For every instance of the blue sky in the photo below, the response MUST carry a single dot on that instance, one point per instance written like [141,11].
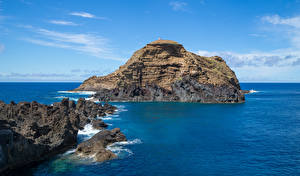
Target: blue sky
[70,40]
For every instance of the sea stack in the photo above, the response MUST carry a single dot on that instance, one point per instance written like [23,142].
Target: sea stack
[164,70]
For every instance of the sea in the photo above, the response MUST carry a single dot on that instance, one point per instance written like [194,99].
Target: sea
[258,137]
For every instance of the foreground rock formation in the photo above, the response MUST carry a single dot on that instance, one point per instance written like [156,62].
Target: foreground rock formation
[31,132]
[164,71]
[96,146]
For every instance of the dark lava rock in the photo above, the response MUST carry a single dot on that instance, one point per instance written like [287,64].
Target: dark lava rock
[31,132]
[96,146]
[99,124]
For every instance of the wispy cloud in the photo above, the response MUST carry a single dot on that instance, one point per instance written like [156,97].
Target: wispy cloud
[76,70]
[276,19]
[178,6]
[61,22]
[33,75]
[13,76]
[87,43]
[26,2]
[72,75]
[285,57]
[288,27]
[278,58]
[2,47]
[87,15]
[257,35]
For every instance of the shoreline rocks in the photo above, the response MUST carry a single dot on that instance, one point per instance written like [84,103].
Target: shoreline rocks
[96,146]
[164,71]
[31,132]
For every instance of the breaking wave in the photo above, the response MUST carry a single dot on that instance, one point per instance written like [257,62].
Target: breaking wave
[119,149]
[87,132]
[253,91]
[70,98]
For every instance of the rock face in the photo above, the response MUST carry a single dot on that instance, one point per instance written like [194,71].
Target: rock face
[31,132]
[95,147]
[164,71]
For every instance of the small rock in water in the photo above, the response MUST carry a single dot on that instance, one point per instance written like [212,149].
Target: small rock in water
[96,146]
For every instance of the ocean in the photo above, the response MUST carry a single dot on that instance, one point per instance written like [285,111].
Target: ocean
[258,137]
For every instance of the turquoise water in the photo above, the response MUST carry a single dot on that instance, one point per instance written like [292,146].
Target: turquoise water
[259,137]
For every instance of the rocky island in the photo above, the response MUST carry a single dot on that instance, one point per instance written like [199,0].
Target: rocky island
[31,132]
[164,71]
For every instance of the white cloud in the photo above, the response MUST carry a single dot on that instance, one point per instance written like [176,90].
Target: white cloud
[90,44]
[178,6]
[87,15]
[61,22]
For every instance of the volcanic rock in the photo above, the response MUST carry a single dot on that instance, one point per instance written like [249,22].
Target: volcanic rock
[31,132]
[164,71]
[96,146]
[99,124]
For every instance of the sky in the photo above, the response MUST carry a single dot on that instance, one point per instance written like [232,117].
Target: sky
[71,40]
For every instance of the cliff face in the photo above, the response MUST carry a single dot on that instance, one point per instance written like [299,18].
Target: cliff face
[164,71]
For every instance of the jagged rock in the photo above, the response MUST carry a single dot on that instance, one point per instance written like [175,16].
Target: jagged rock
[96,145]
[99,124]
[31,132]
[164,71]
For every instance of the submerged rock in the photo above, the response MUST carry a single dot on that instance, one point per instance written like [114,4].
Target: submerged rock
[96,146]
[164,71]
[31,132]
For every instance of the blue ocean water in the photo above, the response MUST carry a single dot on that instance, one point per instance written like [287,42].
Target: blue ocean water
[259,137]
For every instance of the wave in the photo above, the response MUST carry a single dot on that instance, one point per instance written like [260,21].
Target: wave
[120,108]
[69,152]
[70,98]
[109,118]
[78,92]
[87,132]
[253,91]
[131,142]
[119,149]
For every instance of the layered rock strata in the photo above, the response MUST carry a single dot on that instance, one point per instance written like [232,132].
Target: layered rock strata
[164,71]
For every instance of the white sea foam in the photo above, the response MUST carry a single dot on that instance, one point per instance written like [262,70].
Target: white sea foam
[253,91]
[131,142]
[120,108]
[90,98]
[78,92]
[109,117]
[87,132]
[70,98]
[69,152]
[119,149]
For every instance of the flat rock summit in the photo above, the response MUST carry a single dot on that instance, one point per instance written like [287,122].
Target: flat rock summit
[164,70]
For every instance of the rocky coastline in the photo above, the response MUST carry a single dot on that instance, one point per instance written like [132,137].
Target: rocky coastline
[31,132]
[164,70]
